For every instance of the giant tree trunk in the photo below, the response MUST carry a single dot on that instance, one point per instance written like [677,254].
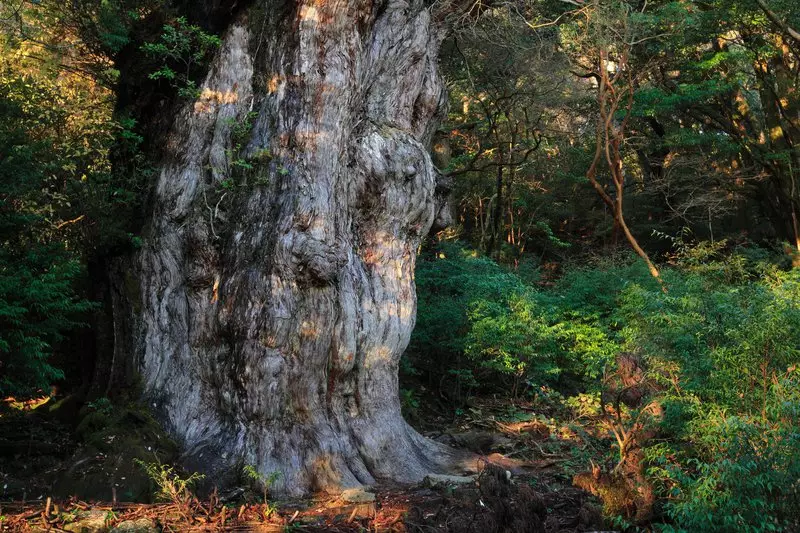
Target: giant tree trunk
[277,274]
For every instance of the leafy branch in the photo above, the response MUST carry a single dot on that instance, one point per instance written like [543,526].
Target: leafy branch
[181,49]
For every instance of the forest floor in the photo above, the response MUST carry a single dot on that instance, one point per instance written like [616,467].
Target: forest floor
[526,459]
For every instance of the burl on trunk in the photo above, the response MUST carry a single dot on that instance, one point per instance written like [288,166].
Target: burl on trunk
[277,275]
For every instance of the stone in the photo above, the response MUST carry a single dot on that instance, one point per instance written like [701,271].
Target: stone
[140,525]
[356,511]
[94,521]
[357,496]
[442,480]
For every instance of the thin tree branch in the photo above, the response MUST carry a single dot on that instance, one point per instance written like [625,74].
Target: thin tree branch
[775,19]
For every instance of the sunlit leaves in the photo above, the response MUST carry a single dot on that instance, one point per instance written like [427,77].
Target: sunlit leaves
[38,303]
[180,50]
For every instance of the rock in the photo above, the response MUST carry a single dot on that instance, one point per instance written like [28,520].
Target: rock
[140,525]
[358,496]
[357,511]
[94,521]
[362,511]
[513,466]
[441,480]
[231,495]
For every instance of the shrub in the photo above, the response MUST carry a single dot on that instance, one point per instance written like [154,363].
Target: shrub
[449,280]
[170,486]
[38,303]
[181,50]
[724,345]
[478,320]
[529,340]
[729,341]
[721,350]
[743,476]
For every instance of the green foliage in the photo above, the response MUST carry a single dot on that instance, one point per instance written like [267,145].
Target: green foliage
[170,486]
[62,205]
[529,339]
[729,339]
[38,302]
[723,343]
[102,405]
[450,280]
[498,328]
[244,169]
[181,49]
[262,480]
[744,477]
[721,349]
[409,403]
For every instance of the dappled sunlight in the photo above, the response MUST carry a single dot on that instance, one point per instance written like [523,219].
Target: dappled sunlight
[307,139]
[28,404]
[308,330]
[209,99]
[309,13]
[380,354]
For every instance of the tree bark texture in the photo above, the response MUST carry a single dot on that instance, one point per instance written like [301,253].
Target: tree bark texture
[276,279]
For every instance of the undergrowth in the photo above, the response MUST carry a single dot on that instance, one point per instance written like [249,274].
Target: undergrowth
[694,391]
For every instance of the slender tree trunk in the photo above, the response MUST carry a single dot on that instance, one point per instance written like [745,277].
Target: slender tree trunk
[608,139]
[497,216]
[276,282]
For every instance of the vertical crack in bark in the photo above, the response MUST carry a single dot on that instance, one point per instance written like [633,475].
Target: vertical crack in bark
[271,334]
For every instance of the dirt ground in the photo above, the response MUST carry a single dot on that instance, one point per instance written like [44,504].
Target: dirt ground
[54,477]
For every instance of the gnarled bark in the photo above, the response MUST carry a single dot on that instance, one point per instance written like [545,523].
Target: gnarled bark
[277,275]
